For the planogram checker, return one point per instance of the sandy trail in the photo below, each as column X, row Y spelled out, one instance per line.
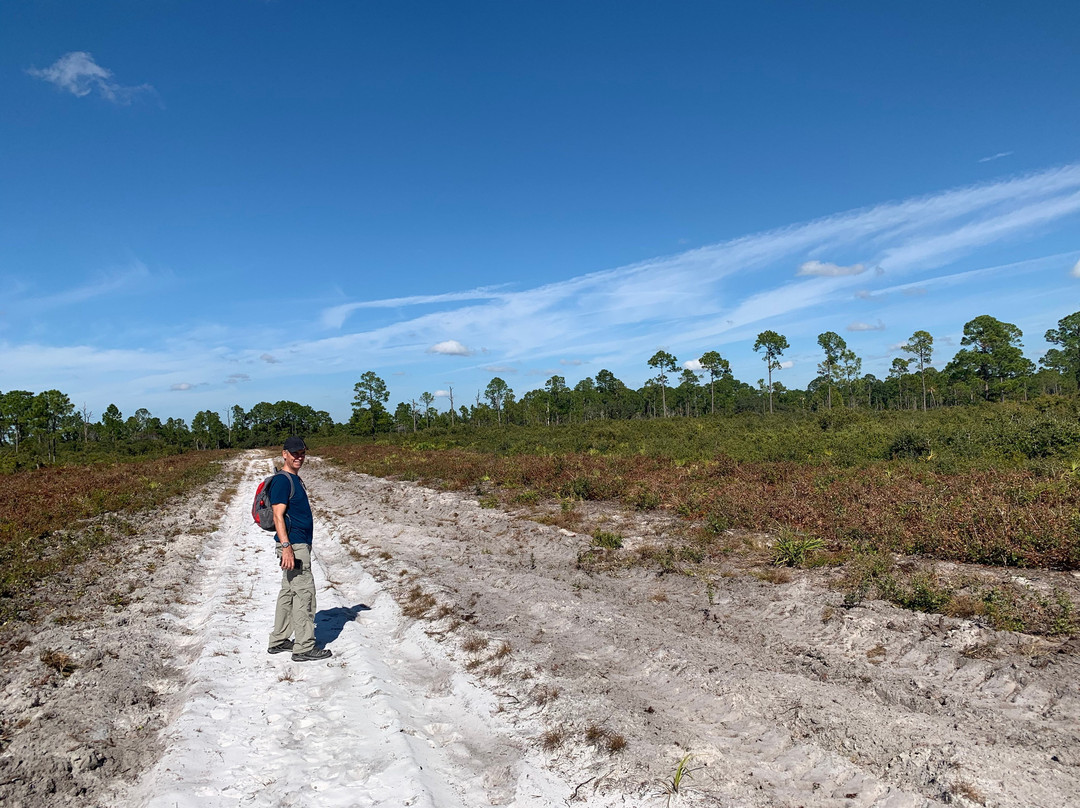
column 476, row 664
column 386, row 721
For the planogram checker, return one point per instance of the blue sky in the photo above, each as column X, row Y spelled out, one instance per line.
column 214, row 203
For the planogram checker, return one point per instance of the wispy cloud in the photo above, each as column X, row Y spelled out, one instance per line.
column 571, row 362
column 132, row 278
column 235, row 378
column 335, row 316
column 993, row 157
column 450, row 347
column 613, row 315
column 697, row 300
column 825, row 270
column 181, row 386
column 879, row 326
column 77, row 73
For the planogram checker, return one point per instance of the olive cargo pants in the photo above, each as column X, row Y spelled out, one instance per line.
column 295, row 613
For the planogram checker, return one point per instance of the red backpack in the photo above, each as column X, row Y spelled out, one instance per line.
column 261, row 509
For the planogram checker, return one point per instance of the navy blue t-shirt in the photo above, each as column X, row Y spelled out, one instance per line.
column 298, row 519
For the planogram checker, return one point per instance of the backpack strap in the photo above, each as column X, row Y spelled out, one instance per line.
column 292, row 492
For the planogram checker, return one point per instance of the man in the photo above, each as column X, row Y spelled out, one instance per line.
column 293, row 522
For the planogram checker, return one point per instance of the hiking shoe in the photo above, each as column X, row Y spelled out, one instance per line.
column 312, row 655
column 281, row 647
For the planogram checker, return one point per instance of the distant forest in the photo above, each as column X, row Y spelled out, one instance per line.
column 38, row 429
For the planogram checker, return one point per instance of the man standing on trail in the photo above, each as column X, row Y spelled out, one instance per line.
column 294, row 524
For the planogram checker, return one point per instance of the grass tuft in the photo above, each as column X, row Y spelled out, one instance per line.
column 59, row 661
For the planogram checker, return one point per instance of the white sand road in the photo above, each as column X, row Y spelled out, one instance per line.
column 386, row 721
column 475, row 664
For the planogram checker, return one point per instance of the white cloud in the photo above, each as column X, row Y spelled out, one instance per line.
column 693, row 364
column 441, row 394
column 614, row 314
column 1076, row 270
column 826, row 270
column 181, row 386
column 335, row 316
column 450, row 347
column 933, row 250
column 571, row 362
column 80, row 75
column 880, row 326
column 866, row 294
column 787, row 364
column 697, row 300
column 993, row 157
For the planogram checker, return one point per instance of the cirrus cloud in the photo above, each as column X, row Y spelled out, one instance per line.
column 827, row 270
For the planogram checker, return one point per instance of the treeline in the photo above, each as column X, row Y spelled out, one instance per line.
column 990, row 366
column 42, row 428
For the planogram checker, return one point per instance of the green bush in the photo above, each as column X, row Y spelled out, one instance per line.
column 603, row 538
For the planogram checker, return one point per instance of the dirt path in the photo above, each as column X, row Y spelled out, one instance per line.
column 475, row 664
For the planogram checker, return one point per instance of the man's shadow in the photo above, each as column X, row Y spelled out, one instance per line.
column 329, row 623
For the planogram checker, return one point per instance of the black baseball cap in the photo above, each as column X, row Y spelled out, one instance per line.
column 295, row 444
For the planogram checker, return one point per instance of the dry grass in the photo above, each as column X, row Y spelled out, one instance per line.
column 543, row 694
column 982, row 650
column 773, row 575
column 604, row 739
column 474, row 644
column 418, row 603
column 552, row 739
column 968, row 792
column 59, row 661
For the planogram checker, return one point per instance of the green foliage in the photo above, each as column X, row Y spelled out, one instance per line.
column 909, row 445
column 716, row 522
column 603, row 538
column 792, row 549
column 643, row 499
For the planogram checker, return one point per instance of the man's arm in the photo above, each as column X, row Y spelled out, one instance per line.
column 288, row 560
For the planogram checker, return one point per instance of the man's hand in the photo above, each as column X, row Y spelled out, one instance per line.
column 288, row 558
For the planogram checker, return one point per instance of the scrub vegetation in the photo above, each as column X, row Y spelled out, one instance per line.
column 995, row 485
column 52, row 518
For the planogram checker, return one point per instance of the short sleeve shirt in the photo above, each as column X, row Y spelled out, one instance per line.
column 298, row 518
